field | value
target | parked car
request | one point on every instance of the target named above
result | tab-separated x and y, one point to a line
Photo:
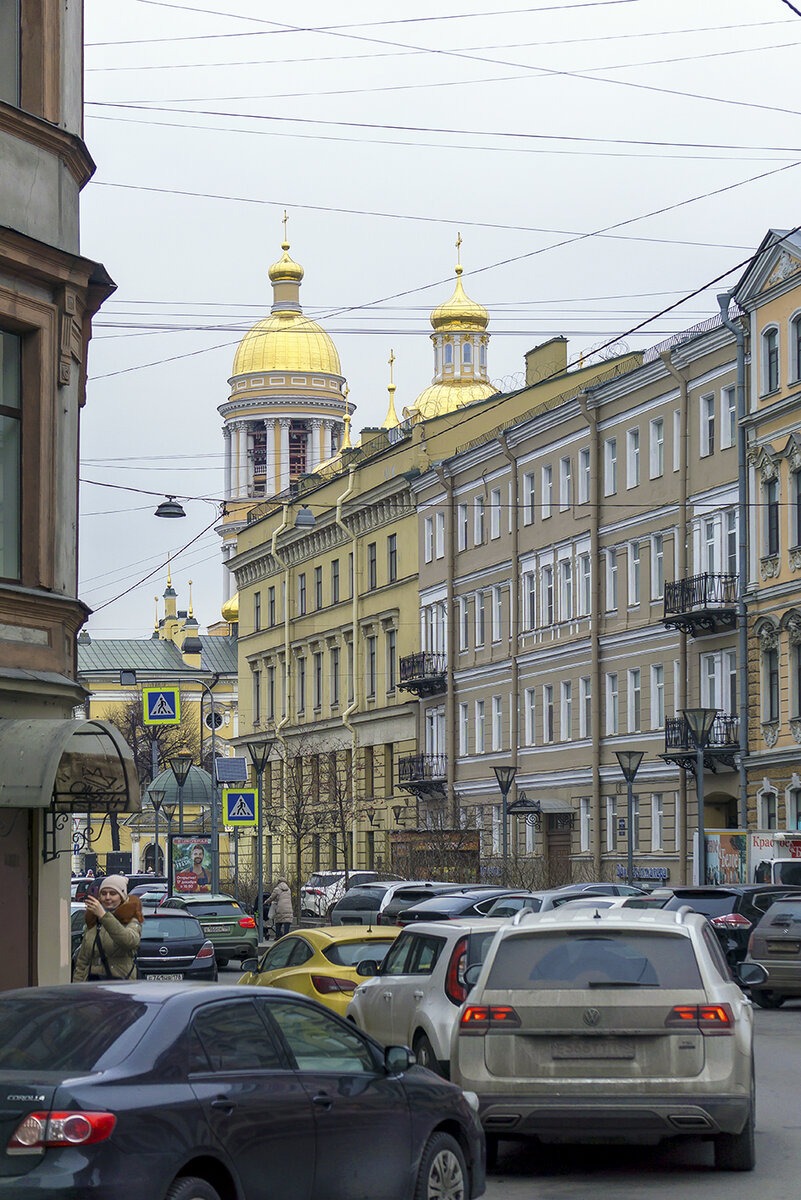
367	903
324	888
590	1022
150	901
776	944
230	929
127	1090
414	996
508	905
77	926
453	906
734	910
603	889
320	963
408	894
81	886
173	946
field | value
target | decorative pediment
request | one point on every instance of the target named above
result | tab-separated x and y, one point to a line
786	266
768	634
766	462
792	451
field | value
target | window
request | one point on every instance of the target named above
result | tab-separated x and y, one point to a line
302	593
772	516
632	458
301	685
372	566
612	714
584	823
547	713
464	624
529	600
584	476
528	715
9	51
547	492
448	354
566	711
709	681
565	484
795	348
730	533
793	802
439	527
707	425
565	590
657	820
271	605
391	659
771	685
584	585
610	466
635	822
728	417
495	513
730	678
428	539
634	699
611	824
464	730
676	439
480	619
770	360
528	498
585	706
547	596
796	699
461	525
611	580
467	352
256	695
271	693
335	581
497	613
657	696
335	675
10	436
657	567
478	521
479	726
319	1042
392	558
233	1037
767	808
657	451
317	685
318	587
634	573
497	722
256	611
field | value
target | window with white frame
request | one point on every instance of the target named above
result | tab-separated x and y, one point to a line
464	623
611	580
634	573
529	705
634	706
497	828
611	824
565	484
584	585
547	491
710	683
730	681
770	360
439	540
709	545
657	448
497	613
464	730
584	475
479	724
635	822
565	590
730	535
481	625
657	821
792	799
585	706
770	685
547	713
632	457
495	513
795	349
529	600
657	567
428	539
676	439
770	491
478	521
795	482
461	526
371	665
566	711
657	696
707	425
529	498
584	823
610	466
728	417
546	608
767	808
497	722
795	701
612	710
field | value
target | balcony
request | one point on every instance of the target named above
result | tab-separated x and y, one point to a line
724	743
423	774
701	604
422	673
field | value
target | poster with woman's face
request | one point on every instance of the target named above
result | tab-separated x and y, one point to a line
190	863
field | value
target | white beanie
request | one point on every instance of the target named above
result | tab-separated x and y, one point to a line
118	882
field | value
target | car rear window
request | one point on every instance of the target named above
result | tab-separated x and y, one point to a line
349	954
710	904
324	880
787	872
67	1034
216	910
444	904
405	898
362	899
158	928
558	960
783	912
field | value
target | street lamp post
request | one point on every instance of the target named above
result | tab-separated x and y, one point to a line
156	799
180	764
699	723
259	753
629	761
505	777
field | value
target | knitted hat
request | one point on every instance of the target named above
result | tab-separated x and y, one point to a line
119	883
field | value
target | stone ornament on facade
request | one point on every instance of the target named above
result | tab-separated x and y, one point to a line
785	267
795	559
770	733
770	567
792	452
768	635
795	729
765	462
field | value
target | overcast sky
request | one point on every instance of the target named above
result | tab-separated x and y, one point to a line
530	129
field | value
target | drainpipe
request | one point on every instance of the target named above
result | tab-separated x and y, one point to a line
680	701
450	651
724	300
591	418
514	613
354	704
279	726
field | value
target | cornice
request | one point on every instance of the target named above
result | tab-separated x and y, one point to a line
67	147
287	402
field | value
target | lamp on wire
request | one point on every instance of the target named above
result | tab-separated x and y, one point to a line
170	508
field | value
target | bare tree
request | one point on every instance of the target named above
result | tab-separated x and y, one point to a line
168	739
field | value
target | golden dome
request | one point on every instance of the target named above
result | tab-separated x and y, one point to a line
286	341
230	610
285	268
460	312
441	398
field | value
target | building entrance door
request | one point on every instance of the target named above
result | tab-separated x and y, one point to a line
16	887
558	835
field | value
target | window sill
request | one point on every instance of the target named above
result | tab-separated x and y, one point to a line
774	392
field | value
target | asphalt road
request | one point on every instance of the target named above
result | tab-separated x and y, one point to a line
682	1171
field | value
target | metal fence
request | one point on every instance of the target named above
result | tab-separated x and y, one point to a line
700	591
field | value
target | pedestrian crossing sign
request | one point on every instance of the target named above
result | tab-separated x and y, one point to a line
162	706
240	807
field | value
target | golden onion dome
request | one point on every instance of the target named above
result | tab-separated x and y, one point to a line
285	268
230	610
460	312
286	341
441	398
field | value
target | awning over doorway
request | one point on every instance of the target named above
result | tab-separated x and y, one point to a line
551	804
69	766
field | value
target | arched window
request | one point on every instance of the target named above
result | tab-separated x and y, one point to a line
770	360
448	354
795	348
482	355
467	352
766	808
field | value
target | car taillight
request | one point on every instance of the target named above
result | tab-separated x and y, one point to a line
488	1018
40	1131
327	984
711	1019
731	921
205	951
750	947
455	988
247	923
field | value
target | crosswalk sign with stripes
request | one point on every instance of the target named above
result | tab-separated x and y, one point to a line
240	807
161	706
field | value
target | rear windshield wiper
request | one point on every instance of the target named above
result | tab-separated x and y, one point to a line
615	983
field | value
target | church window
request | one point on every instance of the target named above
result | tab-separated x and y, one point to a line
467	353
448	354
298	442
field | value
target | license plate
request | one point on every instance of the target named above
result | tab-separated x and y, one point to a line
165	978
218	929
783	947
597	1048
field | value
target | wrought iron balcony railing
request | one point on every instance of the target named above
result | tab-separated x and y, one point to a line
700	604
724	742
422	768
422	673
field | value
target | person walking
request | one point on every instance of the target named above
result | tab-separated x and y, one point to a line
111	937
281	897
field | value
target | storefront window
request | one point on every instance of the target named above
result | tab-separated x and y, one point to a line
10	414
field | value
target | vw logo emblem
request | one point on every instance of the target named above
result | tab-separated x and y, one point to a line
163	950
591	1016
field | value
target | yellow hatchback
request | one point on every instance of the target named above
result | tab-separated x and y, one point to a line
321	963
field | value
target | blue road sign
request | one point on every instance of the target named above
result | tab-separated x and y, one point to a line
240	806
162	706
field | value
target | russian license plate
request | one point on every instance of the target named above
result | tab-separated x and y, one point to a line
597	1048
218	929
165	978
776	947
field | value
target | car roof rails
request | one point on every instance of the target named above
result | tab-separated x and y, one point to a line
681	913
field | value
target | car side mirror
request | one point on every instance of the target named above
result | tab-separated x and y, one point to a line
251	964
367	967
398	1059
750	975
471	974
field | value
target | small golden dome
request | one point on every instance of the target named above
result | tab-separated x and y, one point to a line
441	398
285	268
230	610
460	312
286	341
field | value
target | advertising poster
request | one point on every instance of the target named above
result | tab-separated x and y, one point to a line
761	852
190	863
726	857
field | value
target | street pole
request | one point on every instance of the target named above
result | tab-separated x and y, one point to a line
260	860
630	832
154	770
236	863
699	792
505	777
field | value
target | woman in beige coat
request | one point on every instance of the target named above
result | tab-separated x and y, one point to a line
111	938
283	916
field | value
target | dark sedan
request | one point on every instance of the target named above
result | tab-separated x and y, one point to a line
207	1092
733	909
173	947
453	906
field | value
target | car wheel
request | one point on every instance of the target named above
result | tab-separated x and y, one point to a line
191	1188
443	1171
766	998
222	962
737	1151
424	1053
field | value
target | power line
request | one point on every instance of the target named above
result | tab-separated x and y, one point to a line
160	567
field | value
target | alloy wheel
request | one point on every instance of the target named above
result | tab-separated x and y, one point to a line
445	1177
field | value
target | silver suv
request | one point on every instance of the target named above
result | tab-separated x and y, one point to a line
610	1025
